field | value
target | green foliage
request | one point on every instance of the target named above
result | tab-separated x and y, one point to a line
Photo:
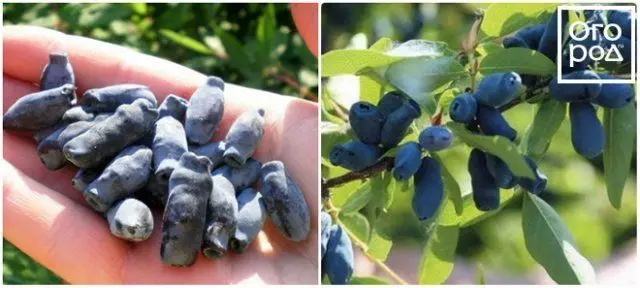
367	281
546	122
533	231
18	268
620	132
501	20
254	45
550	243
519	60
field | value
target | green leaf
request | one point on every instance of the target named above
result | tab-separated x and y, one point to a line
370	89
367	281
451	185
496	145
266	30
139	8
357	224
382	45
545	124
488	47
421	48
472	215
620	131
382	187
550	243
358	199
350	61
378	246
186	41
502	19
417	77
480	275
237	55
439	255
519	60
440	250
332	134
102	14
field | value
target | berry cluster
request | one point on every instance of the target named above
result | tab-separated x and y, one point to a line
133	156
479	110
336	251
587	134
382	127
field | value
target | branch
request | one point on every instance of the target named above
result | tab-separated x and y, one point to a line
382	164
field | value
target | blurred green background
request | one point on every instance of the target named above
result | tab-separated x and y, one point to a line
576	186
254	45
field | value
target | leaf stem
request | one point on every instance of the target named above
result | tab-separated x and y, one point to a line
362	246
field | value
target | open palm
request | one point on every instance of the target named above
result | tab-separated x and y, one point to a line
47	219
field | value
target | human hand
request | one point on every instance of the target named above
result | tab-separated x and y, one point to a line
49	220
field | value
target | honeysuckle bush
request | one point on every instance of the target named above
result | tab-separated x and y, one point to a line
432	73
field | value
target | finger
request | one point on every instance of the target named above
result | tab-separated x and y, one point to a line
69	239
305	15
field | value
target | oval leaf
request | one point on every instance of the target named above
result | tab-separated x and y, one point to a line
496	145
439	255
550	243
502	19
620	130
545	124
357	200
417	77
357	224
420	48
367	281
519	60
350	61
378	246
382	45
186	41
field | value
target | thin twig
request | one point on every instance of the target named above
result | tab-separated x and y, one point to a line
364	247
383	164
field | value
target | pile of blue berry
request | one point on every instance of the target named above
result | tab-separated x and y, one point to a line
134	156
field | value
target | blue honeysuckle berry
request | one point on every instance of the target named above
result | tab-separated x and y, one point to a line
435	138
366	122
492	122
429	189
587	135
338	260
406	161
463	108
537	185
498	89
354	155
614	95
486	194
575	92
